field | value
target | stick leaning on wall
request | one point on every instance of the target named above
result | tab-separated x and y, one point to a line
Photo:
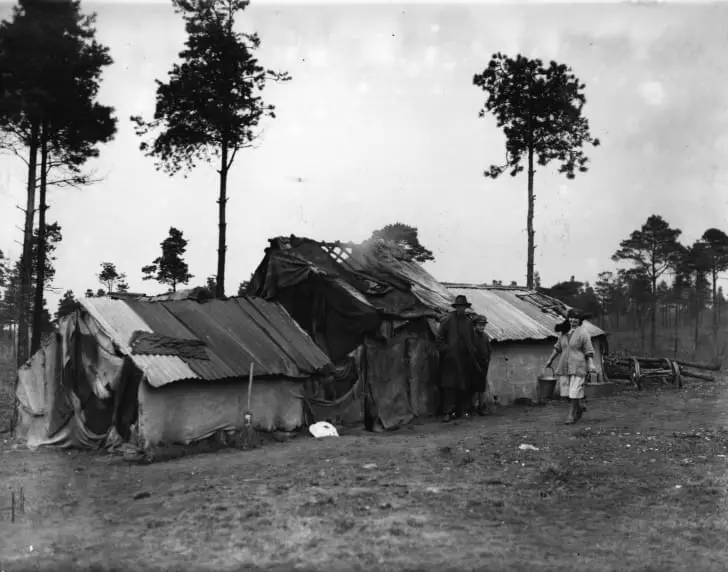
248	432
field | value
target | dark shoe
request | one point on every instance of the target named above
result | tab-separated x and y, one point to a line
573	412
580	410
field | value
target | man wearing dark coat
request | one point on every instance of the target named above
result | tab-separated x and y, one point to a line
483	351
456	340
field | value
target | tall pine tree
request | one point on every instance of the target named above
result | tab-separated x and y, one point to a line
211	106
50	66
540	109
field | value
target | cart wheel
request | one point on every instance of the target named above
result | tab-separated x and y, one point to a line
676	377
636	375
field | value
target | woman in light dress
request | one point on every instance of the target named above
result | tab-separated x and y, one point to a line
576	358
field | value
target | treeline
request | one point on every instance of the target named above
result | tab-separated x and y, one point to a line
666	285
209	109
169	269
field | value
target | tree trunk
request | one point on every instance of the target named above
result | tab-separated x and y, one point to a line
715	297
653	317
697	330
26	261
222	202
40	263
642	329
529	222
634	318
676	341
715	308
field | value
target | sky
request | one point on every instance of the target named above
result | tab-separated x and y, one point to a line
380	124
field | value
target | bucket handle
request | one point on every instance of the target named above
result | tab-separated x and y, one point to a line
552	371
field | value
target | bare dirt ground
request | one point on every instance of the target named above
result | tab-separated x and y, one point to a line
639	484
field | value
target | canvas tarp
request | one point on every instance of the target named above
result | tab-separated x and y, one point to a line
81	392
396	381
149	343
69	390
387	375
190	411
330	309
379	283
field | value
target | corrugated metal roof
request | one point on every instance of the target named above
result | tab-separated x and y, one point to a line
236	332
512	313
120	322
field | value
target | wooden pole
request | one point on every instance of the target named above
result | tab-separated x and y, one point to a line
250	385
248	433
697	375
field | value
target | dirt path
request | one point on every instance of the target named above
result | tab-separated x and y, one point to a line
640	483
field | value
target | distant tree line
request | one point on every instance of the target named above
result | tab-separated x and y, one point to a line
665	284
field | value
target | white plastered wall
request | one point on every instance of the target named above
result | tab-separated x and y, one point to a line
515	367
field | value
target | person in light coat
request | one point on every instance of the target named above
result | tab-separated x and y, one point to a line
576	358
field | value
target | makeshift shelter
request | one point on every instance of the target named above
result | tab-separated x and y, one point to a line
374	311
521	326
165	372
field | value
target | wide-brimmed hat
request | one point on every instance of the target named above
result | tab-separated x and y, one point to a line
461	300
480	320
574	313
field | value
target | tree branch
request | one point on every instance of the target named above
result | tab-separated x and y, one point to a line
15	152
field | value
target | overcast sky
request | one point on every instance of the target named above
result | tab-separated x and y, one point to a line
380	124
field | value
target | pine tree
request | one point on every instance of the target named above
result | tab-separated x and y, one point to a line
50	69
211	106
170	268
653	249
540	109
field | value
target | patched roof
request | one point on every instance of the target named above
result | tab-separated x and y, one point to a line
376	272
517	313
235	332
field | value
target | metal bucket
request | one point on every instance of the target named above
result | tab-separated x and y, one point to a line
546	386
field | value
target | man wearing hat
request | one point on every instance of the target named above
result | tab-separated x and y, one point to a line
456	340
483	351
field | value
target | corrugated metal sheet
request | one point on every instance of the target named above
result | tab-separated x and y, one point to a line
160	319
236	339
280	326
510	316
168	323
161	370
120	321
237	332
117	317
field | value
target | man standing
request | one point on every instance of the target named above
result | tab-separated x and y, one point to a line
458	361
482	347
